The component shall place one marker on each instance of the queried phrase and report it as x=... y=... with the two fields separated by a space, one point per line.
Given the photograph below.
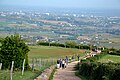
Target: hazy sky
x=115 y=4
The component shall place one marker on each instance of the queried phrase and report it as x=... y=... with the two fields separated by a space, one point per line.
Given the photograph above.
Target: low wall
x=45 y=74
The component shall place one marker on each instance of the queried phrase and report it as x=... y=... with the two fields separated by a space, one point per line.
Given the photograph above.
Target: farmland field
x=108 y=58
x=47 y=52
x=48 y=55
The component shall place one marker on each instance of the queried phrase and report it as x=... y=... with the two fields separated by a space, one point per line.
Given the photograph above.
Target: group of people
x=62 y=63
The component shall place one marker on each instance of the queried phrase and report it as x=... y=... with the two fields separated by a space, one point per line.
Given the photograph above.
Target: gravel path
x=67 y=73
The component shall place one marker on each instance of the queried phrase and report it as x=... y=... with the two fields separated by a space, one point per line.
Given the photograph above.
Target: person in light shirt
x=58 y=64
x=63 y=64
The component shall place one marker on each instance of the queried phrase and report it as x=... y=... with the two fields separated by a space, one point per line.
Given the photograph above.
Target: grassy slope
x=28 y=75
x=107 y=58
x=47 y=52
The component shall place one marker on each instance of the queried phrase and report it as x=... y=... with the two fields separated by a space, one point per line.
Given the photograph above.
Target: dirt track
x=67 y=73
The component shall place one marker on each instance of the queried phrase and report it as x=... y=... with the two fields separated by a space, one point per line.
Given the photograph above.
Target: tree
x=71 y=44
x=13 y=49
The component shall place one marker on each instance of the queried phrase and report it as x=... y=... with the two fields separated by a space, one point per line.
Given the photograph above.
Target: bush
x=43 y=43
x=95 y=58
x=100 y=71
x=13 y=49
x=114 y=52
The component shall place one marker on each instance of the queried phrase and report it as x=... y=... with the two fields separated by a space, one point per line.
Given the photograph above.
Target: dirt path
x=66 y=74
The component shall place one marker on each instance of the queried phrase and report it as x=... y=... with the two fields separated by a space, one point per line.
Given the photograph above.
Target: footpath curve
x=67 y=73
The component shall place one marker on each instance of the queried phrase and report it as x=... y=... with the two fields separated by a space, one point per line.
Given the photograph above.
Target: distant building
x=64 y=36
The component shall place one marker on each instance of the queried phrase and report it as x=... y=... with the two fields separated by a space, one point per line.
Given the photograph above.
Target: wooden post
x=52 y=61
x=0 y=66
x=33 y=64
x=43 y=62
x=11 y=70
x=39 y=63
x=23 y=67
x=49 y=44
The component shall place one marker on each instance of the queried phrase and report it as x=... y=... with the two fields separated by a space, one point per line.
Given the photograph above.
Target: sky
x=107 y=4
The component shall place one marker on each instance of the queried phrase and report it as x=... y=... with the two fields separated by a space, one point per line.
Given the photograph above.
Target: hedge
x=63 y=45
x=100 y=71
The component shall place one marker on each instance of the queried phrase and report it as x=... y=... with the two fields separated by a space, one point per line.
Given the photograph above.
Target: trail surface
x=67 y=73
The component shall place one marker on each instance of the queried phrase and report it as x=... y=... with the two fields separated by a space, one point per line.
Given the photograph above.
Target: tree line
x=113 y=51
x=68 y=44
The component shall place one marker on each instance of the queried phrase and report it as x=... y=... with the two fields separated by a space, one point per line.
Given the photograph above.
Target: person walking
x=63 y=64
x=66 y=60
x=78 y=57
x=58 y=64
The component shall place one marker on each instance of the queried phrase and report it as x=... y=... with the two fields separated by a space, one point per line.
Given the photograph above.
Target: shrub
x=100 y=71
x=13 y=49
x=114 y=52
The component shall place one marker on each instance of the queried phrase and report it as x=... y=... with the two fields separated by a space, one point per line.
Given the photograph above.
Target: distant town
x=60 y=26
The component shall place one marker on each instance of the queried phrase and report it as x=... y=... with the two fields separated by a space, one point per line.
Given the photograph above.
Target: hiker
x=58 y=64
x=72 y=58
x=63 y=64
x=66 y=63
x=66 y=60
x=78 y=57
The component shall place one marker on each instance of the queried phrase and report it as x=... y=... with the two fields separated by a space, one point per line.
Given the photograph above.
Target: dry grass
x=46 y=52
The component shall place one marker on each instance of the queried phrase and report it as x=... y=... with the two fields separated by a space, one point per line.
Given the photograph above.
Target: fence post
x=11 y=70
x=39 y=63
x=33 y=64
x=23 y=67
x=0 y=66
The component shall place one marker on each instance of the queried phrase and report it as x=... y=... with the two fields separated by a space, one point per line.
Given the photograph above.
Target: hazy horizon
x=94 y=4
